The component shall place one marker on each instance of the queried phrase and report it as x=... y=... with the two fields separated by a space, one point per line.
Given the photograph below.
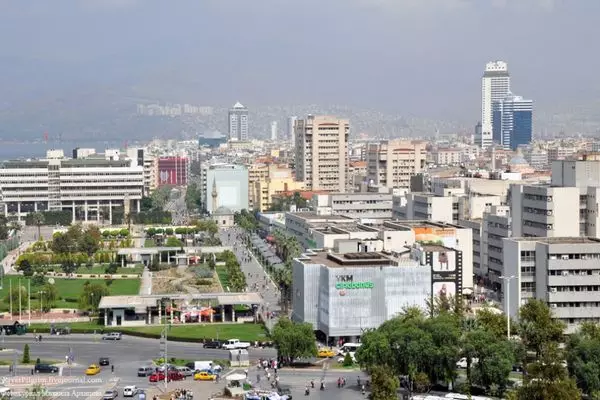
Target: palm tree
x=38 y=220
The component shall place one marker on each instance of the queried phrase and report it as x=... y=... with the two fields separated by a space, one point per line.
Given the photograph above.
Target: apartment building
x=392 y=163
x=360 y=206
x=322 y=152
x=357 y=176
x=575 y=173
x=91 y=187
x=448 y=156
x=266 y=181
x=562 y=271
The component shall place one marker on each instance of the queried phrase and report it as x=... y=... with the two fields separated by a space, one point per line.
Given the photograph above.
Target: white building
x=238 y=122
x=273 y=130
x=91 y=188
x=562 y=271
x=360 y=206
x=291 y=129
x=224 y=185
x=495 y=85
x=392 y=163
x=342 y=295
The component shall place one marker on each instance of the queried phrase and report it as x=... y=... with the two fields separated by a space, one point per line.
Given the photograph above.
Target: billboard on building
x=172 y=171
x=446 y=268
x=432 y=235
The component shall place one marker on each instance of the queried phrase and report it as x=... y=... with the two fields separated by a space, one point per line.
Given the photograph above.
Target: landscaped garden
x=195 y=332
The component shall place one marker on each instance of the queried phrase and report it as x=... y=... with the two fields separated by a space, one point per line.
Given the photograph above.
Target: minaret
x=214 y=196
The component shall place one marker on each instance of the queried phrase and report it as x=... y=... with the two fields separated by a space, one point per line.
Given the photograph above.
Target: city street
x=131 y=353
x=257 y=278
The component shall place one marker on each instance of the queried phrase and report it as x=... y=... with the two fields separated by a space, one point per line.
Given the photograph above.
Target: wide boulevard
x=130 y=353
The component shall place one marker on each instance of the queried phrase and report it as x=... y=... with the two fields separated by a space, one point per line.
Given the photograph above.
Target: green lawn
x=68 y=290
x=244 y=332
x=149 y=243
x=223 y=276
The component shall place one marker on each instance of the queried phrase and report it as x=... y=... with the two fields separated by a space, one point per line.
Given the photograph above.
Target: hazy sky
x=418 y=56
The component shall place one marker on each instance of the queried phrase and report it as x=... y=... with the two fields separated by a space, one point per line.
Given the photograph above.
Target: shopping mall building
x=343 y=294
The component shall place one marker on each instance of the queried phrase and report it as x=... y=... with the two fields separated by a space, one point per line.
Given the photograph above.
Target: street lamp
x=92 y=303
x=507 y=280
x=41 y=293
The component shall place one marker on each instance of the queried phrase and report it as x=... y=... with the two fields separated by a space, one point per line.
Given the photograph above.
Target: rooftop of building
x=559 y=240
x=334 y=260
x=314 y=216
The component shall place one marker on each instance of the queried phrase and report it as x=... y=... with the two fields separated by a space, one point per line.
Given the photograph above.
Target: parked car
x=92 y=370
x=234 y=344
x=45 y=368
x=130 y=391
x=110 y=395
x=214 y=344
x=145 y=371
x=326 y=353
x=204 y=376
x=185 y=371
x=171 y=375
x=103 y=361
x=113 y=336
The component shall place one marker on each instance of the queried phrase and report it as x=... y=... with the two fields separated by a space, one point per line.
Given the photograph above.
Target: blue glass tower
x=512 y=121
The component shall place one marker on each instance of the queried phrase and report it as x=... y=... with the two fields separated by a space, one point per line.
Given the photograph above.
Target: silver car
x=113 y=336
x=110 y=395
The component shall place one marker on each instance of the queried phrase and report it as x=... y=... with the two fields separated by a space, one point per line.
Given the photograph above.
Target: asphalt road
x=127 y=355
x=131 y=352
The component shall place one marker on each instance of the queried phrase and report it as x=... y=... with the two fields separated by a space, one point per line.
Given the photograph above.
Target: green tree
x=26 y=268
x=583 y=358
x=547 y=378
x=68 y=266
x=537 y=327
x=384 y=384
x=4 y=229
x=37 y=392
x=38 y=220
x=91 y=296
x=491 y=321
x=111 y=269
x=89 y=242
x=348 y=360
x=294 y=340
x=211 y=264
x=26 y=358
x=172 y=241
x=14 y=294
x=50 y=295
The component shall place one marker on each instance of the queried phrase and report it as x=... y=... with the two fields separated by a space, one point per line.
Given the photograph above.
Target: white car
x=462 y=363
x=130 y=391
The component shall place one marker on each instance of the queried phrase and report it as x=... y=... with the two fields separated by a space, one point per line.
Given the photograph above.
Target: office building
x=576 y=173
x=342 y=295
x=329 y=232
x=291 y=129
x=238 y=122
x=364 y=207
x=92 y=188
x=274 y=130
x=564 y=272
x=173 y=171
x=512 y=121
x=495 y=86
x=392 y=163
x=212 y=139
x=322 y=152
x=224 y=185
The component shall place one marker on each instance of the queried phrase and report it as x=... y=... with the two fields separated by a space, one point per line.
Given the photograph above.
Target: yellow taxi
x=92 y=370
x=204 y=376
x=325 y=353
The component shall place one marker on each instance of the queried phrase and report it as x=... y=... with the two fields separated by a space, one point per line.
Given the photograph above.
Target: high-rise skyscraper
x=290 y=129
x=238 y=122
x=495 y=86
x=273 y=130
x=512 y=121
x=322 y=152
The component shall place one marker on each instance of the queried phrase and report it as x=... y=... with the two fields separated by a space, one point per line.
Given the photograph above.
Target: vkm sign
x=347 y=282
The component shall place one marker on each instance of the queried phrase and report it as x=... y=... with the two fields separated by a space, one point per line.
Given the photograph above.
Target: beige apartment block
x=322 y=152
x=392 y=163
x=268 y=181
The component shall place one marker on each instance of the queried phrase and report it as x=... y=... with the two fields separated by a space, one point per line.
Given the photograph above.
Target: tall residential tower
x=495 y=86
x=322 y=152
x=238 y=122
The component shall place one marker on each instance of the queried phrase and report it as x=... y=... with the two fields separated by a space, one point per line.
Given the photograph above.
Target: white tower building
x=238 y=122
x=290 y=132
x=495 y=86
x=273 y=130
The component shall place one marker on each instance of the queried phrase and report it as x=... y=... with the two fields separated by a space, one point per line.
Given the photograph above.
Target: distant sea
x=15 y=150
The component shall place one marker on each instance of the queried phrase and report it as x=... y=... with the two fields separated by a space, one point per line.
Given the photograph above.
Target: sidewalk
x=255 y=275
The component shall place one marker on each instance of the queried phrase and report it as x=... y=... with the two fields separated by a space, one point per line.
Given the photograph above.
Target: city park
x=65 y=279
